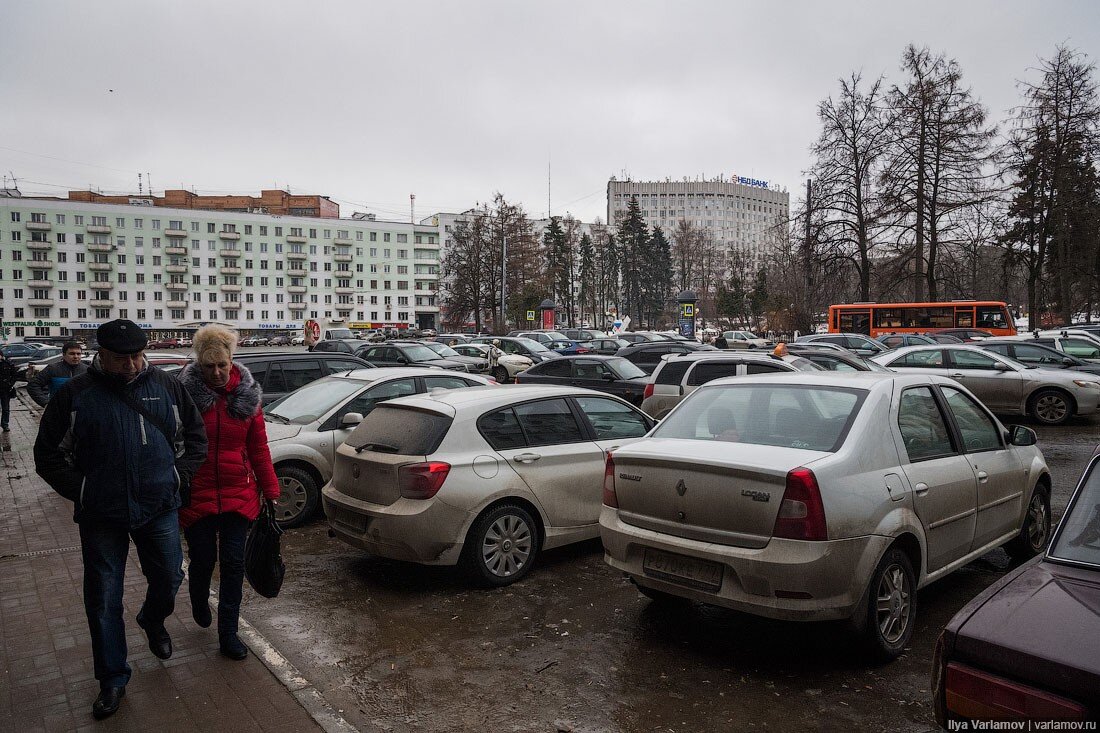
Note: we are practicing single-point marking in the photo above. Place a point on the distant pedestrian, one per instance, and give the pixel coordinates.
(225, 495)
(721, 343)
(43, 385)
(122, 442)
(8, 375)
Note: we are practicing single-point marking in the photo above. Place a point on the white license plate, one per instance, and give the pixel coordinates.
(689, 571)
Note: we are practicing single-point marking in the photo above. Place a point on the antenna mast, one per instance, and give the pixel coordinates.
(412, 208)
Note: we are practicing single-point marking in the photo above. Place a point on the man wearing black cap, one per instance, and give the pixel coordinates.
(122, 442)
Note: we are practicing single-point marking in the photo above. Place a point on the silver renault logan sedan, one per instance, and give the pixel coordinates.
(808, 496)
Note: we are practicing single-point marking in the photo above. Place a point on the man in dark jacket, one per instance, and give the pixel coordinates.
(122, 442)
(43, 385)
(8, 375)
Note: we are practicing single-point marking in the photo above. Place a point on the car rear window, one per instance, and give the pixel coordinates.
(786, 415)
(671, 372)
(405, 431)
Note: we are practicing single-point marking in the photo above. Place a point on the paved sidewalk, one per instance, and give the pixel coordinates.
(46, 680)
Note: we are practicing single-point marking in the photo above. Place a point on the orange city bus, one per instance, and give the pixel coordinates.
(876, 319)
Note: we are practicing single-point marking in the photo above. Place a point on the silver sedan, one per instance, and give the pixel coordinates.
(1006, 386)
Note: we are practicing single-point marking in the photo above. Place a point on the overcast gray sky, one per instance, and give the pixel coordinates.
(368, 102)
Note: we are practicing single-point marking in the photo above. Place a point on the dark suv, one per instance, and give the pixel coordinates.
(279, 373)
(646, 355)
(399, 354)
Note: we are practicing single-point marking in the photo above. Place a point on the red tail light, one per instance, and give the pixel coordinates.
(515, 379)
(648, 391)
(609, 498)
(978, 695)
(801, 513)
(491, 380)
(583, 350)
(422, 480)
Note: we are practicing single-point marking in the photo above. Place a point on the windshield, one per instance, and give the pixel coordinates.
(340, 333)
(419, 352)
(441, 349)
(311, 402)
(1078, 536)
(785, 415)
(532, 345)
(626, 368)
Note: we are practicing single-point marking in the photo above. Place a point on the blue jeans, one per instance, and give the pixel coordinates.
(105, 546)
(218, 538)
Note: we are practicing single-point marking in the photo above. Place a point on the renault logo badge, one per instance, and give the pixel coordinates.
(355, 472)
(681, 488)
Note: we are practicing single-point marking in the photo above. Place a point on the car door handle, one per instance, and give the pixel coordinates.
(982, 476)
(956, 375)
(921, 488)
(527, 458)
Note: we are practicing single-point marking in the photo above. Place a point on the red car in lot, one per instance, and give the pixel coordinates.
(169, 343)
(1028, 647)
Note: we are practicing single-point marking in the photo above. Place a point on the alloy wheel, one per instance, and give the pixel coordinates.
(1038, 523)
(1051, 408)
(894, 604)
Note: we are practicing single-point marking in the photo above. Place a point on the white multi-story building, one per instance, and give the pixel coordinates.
(68, 266)
(745, 214)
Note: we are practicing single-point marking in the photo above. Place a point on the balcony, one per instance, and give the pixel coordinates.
(175, 251)
(101, 285)
(229, 235)
(176, 269)
(342, 258)
(342, 242)
(298, 289)
(100, 266)
(230, 288)
(100, 247)
(40, 283)
(178, 233)
(296, 239)
(176, 304)
(40, 264)
(296, 272)
(39, 226)
(427, 260)
(345, 291)
(39, 245)
(230, 253)
(102, 302)
(296, 255)
(176, 287)
(427, 309)
(40, 302)
(97, 229)
(229, 270)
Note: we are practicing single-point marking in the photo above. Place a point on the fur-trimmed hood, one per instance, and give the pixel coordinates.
(241, 402)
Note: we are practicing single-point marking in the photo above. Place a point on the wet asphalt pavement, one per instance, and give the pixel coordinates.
(401, 647)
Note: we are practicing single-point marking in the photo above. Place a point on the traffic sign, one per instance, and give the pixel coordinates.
(530, 315)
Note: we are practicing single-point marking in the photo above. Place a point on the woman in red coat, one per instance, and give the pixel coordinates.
(225, 492)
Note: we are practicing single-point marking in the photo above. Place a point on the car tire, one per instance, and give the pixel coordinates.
(891, 606)
(298, 496)
(500, 374)
(1035, 534)
(501, 546)
(1050, 407)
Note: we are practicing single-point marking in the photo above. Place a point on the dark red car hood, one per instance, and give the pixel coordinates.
(1040, 625)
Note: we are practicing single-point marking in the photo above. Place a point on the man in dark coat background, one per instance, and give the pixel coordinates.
(43, 385)
(122, 442)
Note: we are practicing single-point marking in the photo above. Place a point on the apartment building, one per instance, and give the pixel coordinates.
(66, 266)
(747, 215)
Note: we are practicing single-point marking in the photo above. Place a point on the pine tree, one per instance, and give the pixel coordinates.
(633, 245)
(657, 275)
(588, 281)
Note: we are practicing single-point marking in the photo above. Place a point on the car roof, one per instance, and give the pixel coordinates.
(373, 375)
(251, 356)
(894, 353)
(728, 354)
(492, 397)
(857, 380)
(586, 357)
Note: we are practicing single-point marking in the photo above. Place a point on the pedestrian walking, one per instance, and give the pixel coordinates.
(8, 376)
(122, 442)
(721, 343)
(225, 494)
(43, 385)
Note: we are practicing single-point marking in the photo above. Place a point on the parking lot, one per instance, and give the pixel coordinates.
(573, 646)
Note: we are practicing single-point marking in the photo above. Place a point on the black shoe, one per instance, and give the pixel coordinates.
(107, 703)
(232, 647)
(160, 643)
(200, 611)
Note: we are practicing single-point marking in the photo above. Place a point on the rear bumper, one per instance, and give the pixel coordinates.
(834, 574)
(423, 531)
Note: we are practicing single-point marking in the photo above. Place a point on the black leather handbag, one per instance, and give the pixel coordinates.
(263, 560)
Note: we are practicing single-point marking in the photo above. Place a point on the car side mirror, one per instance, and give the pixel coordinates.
(1067, 361)
(1021, 435)
(351, 419)
(609, 377)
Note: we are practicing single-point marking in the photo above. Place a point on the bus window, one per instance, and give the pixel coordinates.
(964, 317)
(890, 317)
(855, 322)
(991, 316)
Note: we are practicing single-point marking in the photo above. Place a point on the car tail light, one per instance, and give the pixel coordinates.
(515, 379)
(583, 350)
(422, 480)
(491, 380)
(609, 497)
(801, 513)
(977, 695)
(648, 391)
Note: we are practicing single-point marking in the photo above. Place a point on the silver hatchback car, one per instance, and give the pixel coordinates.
(808, 496)
(483, 478)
